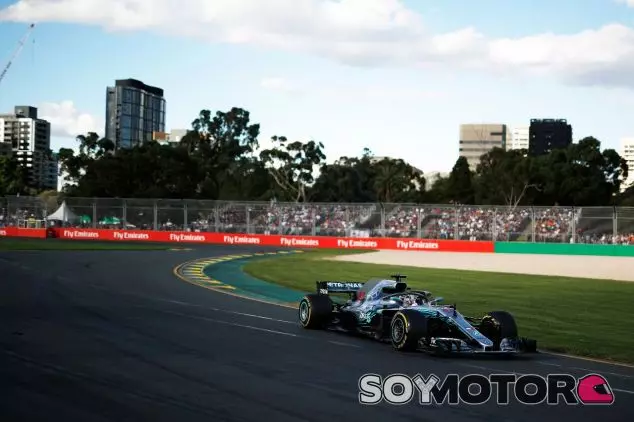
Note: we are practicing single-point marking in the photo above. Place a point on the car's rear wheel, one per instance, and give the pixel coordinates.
(406, 330)
(315, 311)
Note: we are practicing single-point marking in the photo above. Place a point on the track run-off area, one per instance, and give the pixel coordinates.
(148, 336)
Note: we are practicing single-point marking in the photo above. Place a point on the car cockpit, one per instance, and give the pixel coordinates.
(393, 292)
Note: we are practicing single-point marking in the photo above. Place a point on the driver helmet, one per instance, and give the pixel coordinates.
(409, 301)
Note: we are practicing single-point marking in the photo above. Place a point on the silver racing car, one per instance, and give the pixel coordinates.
(387, 310)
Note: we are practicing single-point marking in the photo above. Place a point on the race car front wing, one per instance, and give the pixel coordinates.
(507, 346)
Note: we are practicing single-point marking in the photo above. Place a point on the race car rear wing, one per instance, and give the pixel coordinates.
(327, 287)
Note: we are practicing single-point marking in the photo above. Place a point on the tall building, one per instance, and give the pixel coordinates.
(29, 139)
(169, 138)
(520, 136)
(627, 153)
(478, 139)
(134, 111)
(433, 176)
(546, 135)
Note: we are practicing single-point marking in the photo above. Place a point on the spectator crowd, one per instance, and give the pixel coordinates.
(409, 221)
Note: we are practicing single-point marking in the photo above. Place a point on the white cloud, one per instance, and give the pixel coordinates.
(342, 92)
(66, 121)
(387, 94)
(629, 3)
(357, 32)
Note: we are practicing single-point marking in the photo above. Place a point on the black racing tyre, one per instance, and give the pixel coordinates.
(529, 345)
(315, 311)
(498, 325)
(406, 330)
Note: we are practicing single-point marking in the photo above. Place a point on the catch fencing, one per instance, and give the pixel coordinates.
(607, 225)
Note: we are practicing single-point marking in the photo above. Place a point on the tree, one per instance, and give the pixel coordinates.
(397, 181)
(12, 177)
(220, 159)
(368, 179)
(222, 145)
(292, 164)
(581, 174)
(147, 171)
(91, 148)
(439, 192)
(460, 183)
(349, 179)
(506, 178)
(626, 198)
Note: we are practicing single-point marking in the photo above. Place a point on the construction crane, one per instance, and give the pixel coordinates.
(17, 51)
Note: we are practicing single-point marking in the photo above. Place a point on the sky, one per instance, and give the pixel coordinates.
(396, 76)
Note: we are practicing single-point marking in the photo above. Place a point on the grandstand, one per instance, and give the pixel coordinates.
(532, 224)
(605, 225)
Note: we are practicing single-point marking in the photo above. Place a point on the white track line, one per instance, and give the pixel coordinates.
(485, 368)
(262, 317)
(176, 302)
(233, 324)
(616, 374)
(226, 311)
(622, 391)
(339, 343)
(193, 305)
(251, 327)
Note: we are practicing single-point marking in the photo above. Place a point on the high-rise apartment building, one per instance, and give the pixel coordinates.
(520, 136)
(29, 141)
(478, 139)
(548, 134)
(134, 111)
(627, 153)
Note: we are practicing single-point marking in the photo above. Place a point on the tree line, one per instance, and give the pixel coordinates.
(220, 159)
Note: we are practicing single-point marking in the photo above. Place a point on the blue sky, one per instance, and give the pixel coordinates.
(375, 73)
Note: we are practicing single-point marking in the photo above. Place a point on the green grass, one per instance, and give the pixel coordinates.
(13, 244)
(568, 315)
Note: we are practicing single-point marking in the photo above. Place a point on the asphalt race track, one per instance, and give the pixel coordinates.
(115, 336)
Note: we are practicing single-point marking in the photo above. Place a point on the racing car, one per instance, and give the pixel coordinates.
(412, 320)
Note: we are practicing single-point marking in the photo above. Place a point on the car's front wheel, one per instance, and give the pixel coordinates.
(407, 328)
(498, 325)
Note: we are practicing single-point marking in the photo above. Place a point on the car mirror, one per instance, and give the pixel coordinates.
(437, 300)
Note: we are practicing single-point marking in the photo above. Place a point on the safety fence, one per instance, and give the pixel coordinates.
(590, 225)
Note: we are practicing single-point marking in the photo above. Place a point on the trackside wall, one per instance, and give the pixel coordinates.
(324, 242)
(563, 249)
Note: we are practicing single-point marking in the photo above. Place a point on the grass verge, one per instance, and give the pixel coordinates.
(583, 317)
(13, 244)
